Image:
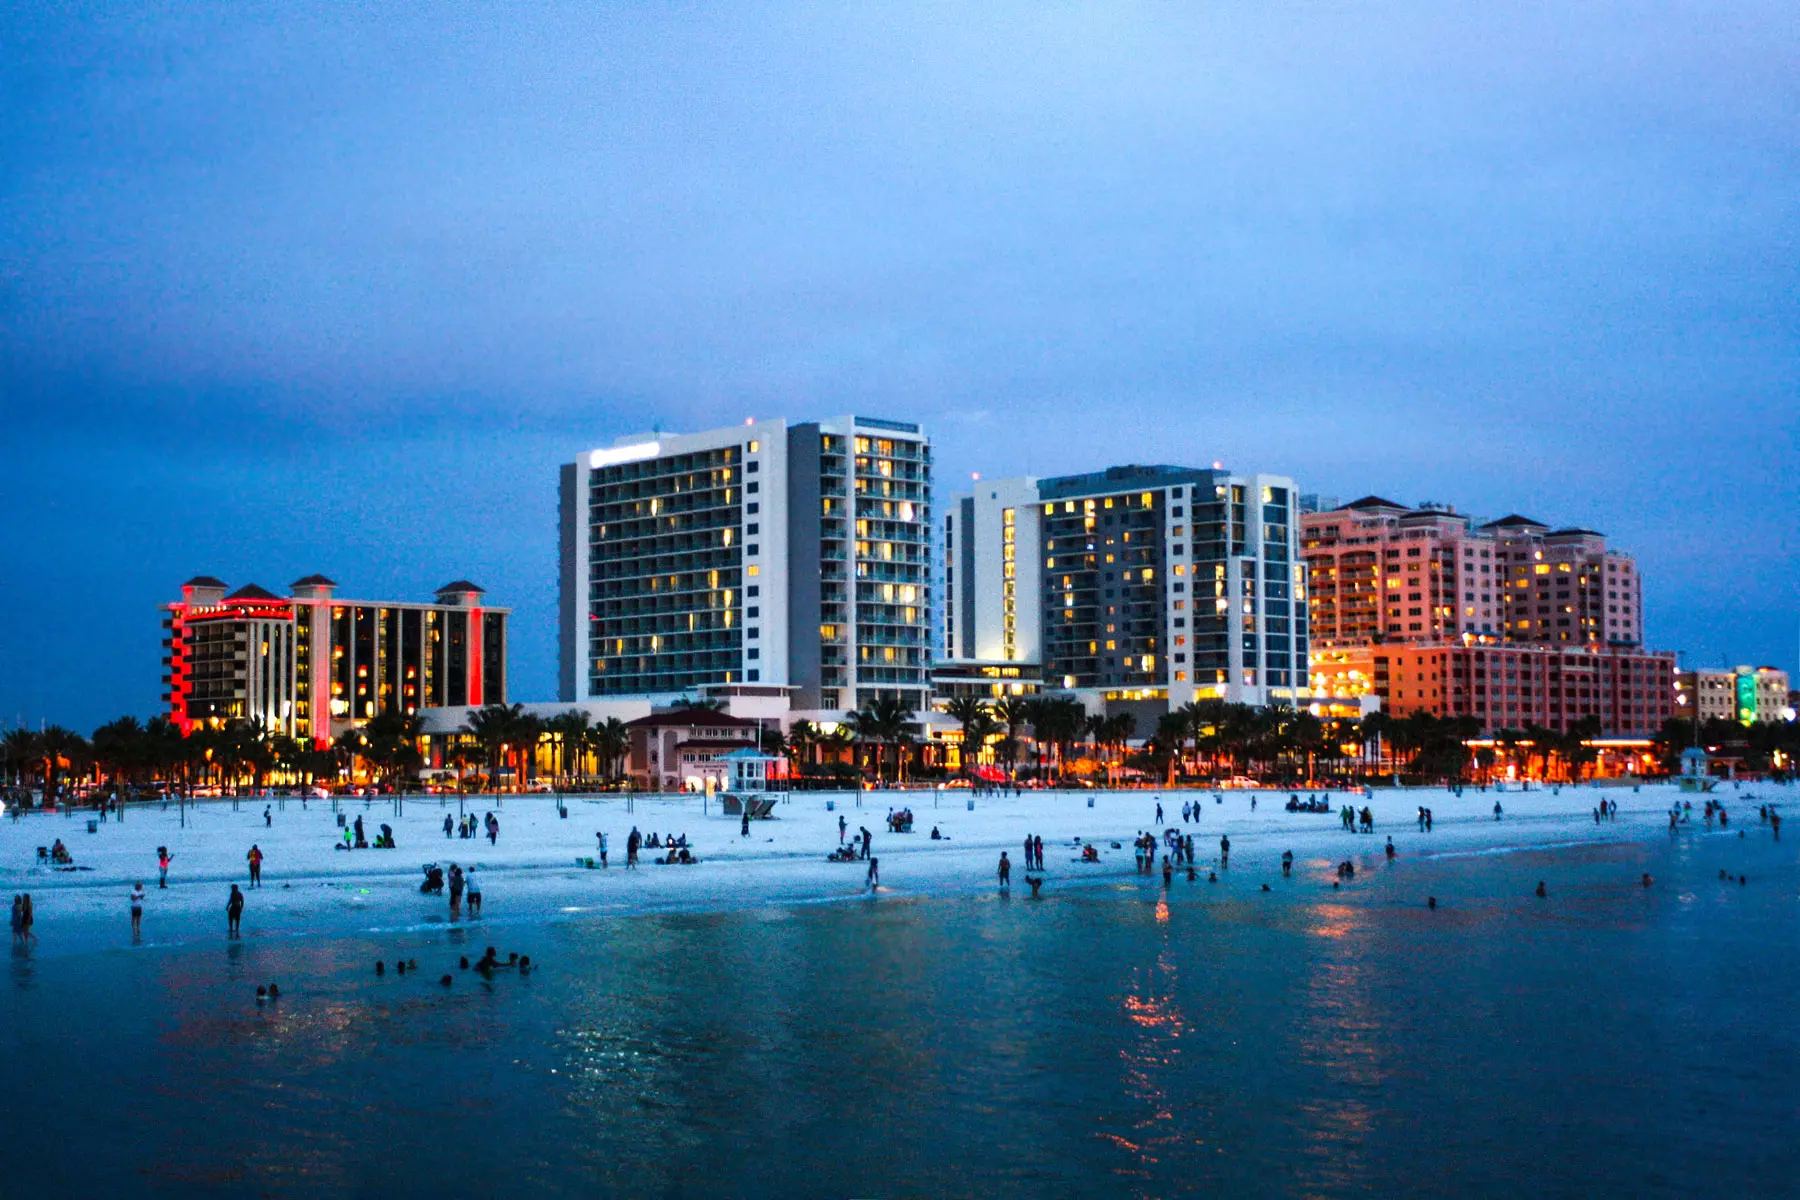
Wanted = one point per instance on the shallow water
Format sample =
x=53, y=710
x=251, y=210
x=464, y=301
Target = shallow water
x=1111, y=1040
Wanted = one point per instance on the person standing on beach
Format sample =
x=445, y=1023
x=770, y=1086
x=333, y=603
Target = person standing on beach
x=234, y=911
x=28, y=918
x=162, y=865
x=1037, y=844
x=472, y=882
x=868, y=840
x=632, y=843
x=1005, y=872
x=268, y=818
x=255, y=858
x=137, y=909
x=456, y=891
x=448, y=825
x=1159, y=819
x=745, y=831
x=874, y=876
x=1496, y=810
x=1224, y=853
x=493, y=829
x=601, y=838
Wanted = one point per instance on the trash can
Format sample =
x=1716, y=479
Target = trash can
x=971, y=804
x=93, y=827
x=340, y=817
x=1090, y=802
x=831, y=806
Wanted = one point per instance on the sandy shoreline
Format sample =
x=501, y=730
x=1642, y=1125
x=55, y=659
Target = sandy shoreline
x=530, y=874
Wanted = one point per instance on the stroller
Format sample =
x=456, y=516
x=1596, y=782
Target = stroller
x=434, y=879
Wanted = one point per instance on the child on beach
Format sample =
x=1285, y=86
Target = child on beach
x=234, y=911
x=137, y=908
x=162, y=865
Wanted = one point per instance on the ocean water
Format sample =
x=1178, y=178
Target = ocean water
x=1108, y=1040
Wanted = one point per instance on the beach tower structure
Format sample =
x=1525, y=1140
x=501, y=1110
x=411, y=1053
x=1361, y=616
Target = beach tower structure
x=1695, y=771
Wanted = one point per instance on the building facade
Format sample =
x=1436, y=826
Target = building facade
x=1565, y=586
x=1383, y=572
x=1746, y=695
x=792, y=555
x=1136, y=585
x=310, y=665
x=1508, y=686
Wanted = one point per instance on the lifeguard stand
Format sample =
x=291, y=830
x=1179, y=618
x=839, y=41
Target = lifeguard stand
x=1696, y=774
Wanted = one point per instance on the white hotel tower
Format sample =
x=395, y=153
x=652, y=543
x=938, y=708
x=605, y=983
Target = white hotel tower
x=768, y=555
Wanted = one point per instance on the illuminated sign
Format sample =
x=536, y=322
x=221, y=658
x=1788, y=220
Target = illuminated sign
x=1746, y=699
x=624, y=454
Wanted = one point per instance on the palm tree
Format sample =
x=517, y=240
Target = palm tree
x=1060, y=720
x=966, y=711
x=60, y=747
x=883, y=720
x=1013, y=712
x=610, y=743
x=118, y=748
x=802, y=741
x=569, y=731
x=23, y=754
x=976, y=735
x=390, y=741
x=491, y=727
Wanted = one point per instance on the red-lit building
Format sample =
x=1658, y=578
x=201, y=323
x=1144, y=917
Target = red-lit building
x=309, y=665
x=1507, y=685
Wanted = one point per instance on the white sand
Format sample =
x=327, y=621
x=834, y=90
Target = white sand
x=531, y=873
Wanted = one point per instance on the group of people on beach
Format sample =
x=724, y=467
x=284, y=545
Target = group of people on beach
x=467, y=827
x=1352, y=818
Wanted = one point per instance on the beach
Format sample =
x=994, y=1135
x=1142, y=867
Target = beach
x=536, y=869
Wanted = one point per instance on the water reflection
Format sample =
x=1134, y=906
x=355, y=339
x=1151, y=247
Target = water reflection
x=1151, y=1057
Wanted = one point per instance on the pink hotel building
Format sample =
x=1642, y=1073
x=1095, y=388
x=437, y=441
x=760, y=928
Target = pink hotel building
x=1513, y=622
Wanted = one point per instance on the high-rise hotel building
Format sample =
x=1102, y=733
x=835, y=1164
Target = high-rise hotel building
x=1136, y=584
x=1510, y=622
x=770, y=555
x=1383, y=572
x=310, y=665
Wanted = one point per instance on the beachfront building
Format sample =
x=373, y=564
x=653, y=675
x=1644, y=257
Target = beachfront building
x=788, y=557
x=683, y=749
x=1382, y=571
x=1137, y=588
x=1385, y=572
x=1507, y=686
x=1746, y=695
x=311, y=665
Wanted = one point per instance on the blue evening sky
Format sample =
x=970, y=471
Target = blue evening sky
x=335, y=288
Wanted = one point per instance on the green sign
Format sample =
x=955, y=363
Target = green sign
x=1746, y=699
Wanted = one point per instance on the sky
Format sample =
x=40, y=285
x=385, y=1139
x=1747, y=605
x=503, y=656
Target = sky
x=335, y=288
